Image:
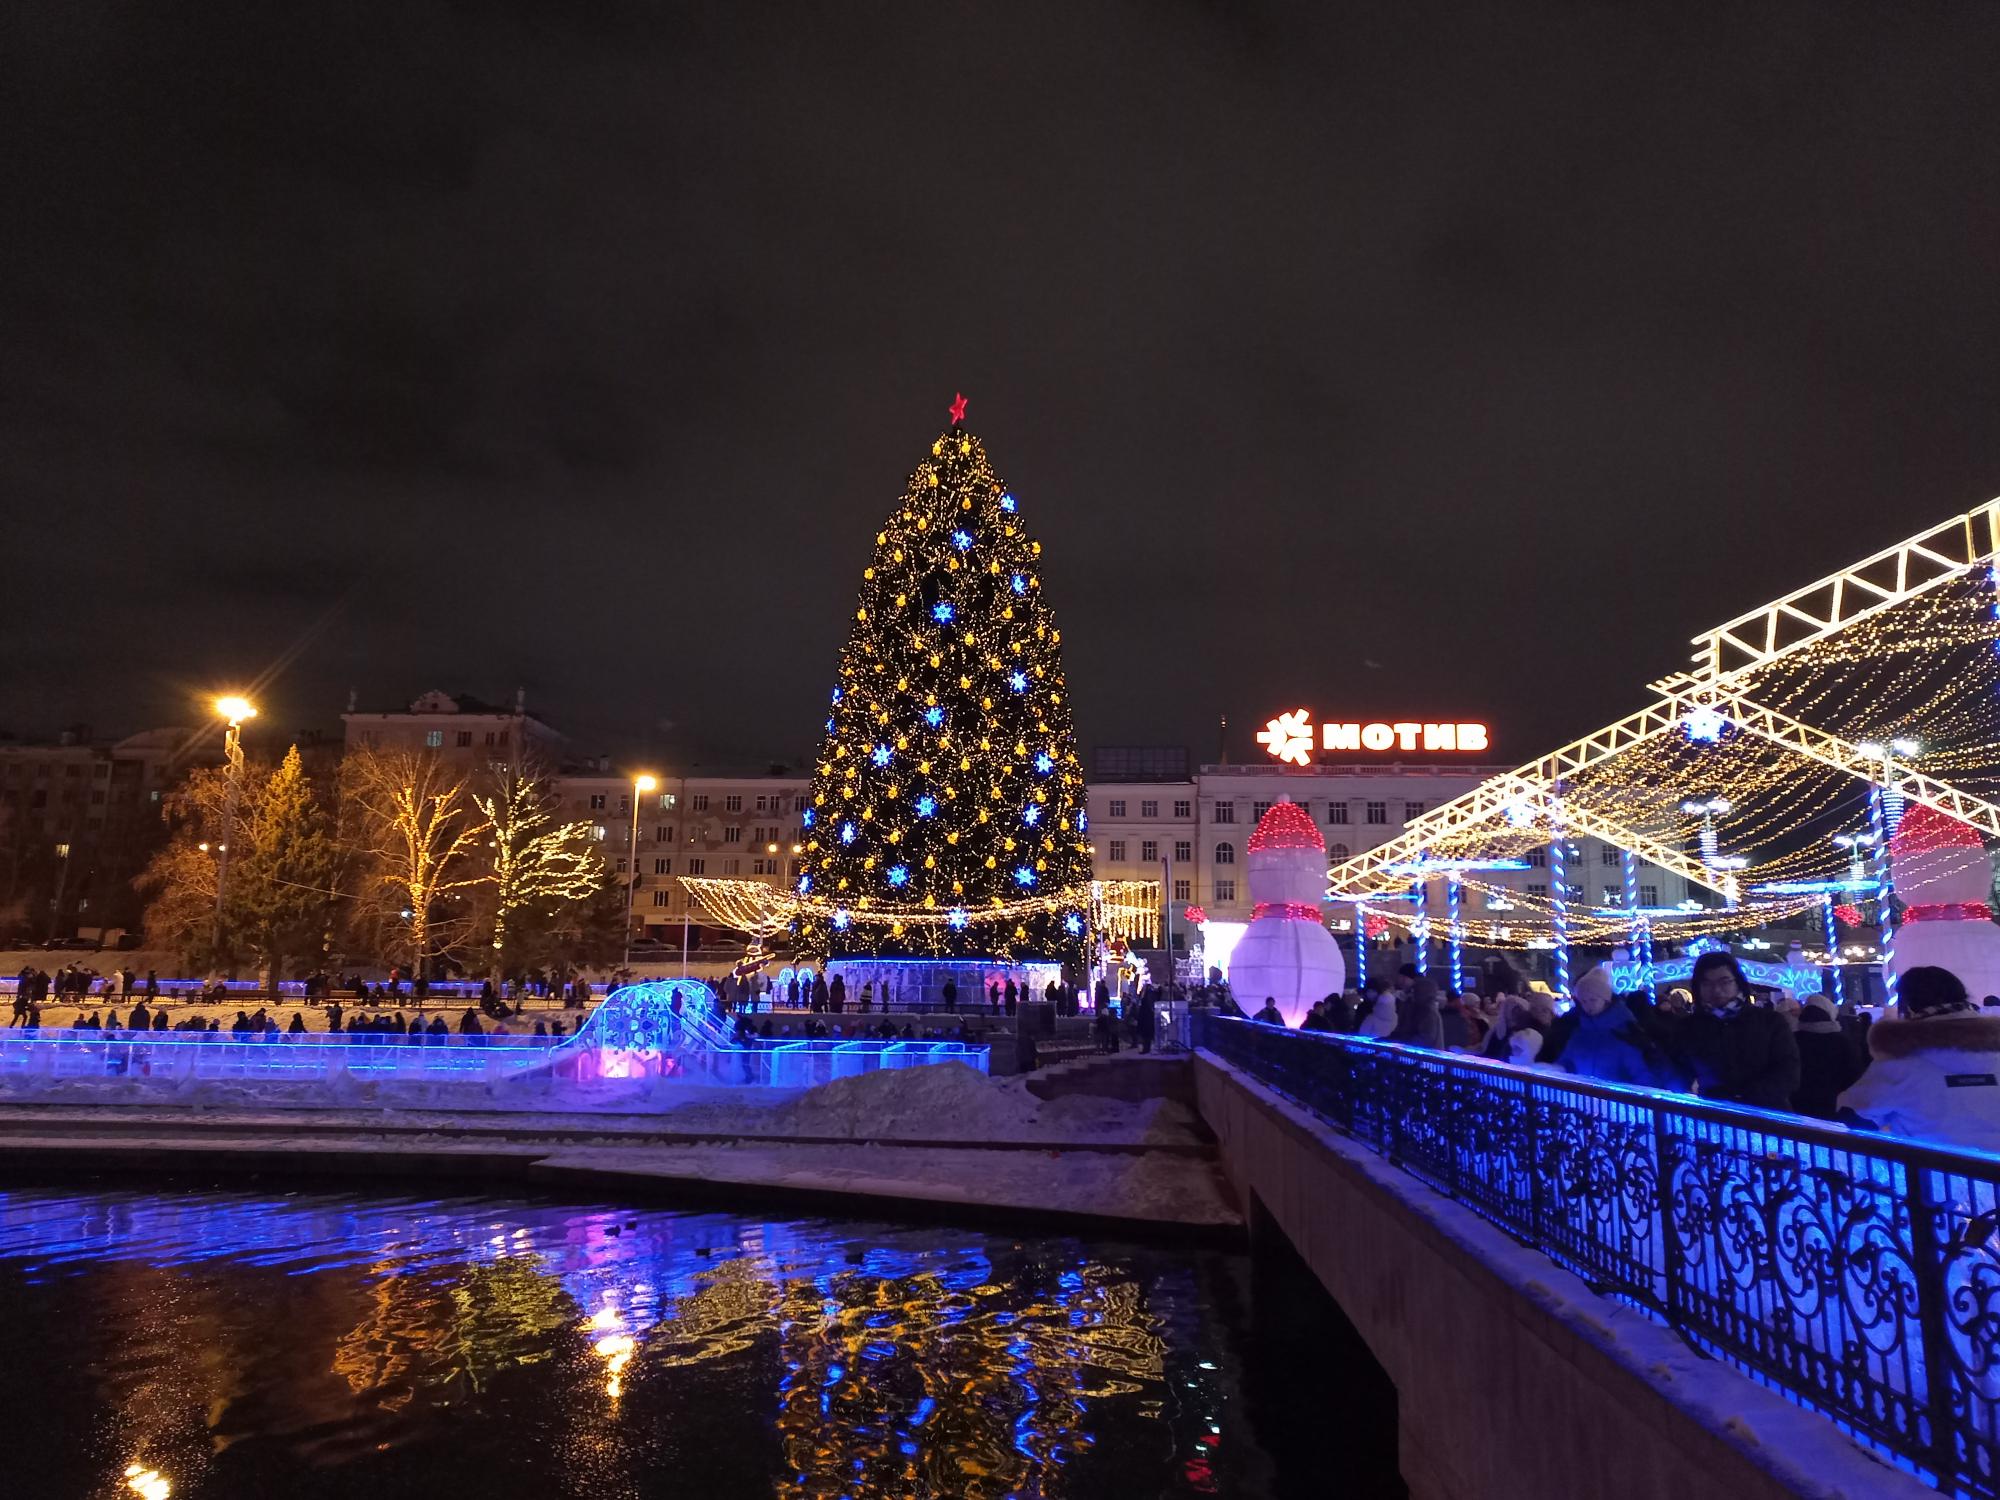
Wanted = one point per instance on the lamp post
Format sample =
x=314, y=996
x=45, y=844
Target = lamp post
x=1706, y=809
x=234, y=710
x=641, y=784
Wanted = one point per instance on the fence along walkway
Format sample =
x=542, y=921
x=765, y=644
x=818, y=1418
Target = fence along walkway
x=662, y=1028
x=1857, y=1274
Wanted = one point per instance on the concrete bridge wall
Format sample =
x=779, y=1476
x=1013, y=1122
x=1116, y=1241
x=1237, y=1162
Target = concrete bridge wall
x=1512, y=1377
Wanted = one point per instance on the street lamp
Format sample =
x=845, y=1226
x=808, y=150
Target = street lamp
x=641, y=784
x=1707, y=808
x=234, y=710
x=1893, y=801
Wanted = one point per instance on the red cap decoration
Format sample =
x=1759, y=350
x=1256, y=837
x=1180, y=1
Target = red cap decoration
x=1925, y=830
x=1286, y=826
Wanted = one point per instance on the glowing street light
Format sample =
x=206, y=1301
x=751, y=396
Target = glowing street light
x=1707, y=809
x=233, y=709
x=641, y=784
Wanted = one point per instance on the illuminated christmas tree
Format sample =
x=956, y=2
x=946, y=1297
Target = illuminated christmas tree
x=947, y=814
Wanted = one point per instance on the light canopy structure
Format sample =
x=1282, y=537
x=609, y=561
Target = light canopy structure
x=1739, y=773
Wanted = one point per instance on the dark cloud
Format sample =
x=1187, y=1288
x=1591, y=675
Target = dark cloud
x=582, y=348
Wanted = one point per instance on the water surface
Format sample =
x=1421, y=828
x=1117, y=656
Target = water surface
x=197, y=1343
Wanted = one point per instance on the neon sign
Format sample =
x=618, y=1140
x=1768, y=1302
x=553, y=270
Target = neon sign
x=1291, y=737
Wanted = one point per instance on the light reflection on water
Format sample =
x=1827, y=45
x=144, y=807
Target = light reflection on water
x=189, y=1344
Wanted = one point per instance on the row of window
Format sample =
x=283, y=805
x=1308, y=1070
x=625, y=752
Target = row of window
x=697, y=865
x=1150, y=808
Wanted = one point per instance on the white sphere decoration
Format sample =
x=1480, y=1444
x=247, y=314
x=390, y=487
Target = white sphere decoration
x=1286, y=953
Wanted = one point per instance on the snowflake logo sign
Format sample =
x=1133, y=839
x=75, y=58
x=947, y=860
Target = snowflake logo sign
x=1289, y=737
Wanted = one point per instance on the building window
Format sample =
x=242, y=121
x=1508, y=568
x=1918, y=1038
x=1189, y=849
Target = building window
x=1257, y=811
x=733, y=802
x=1149, y=850
x=1117, y=807
x=625, y=802
x=1649, y=895
x=97, y=796
x=597, y=801
x=663, y=867
x=463, y=739
x=1612, y=895
x=1412, y=811
x=732, y=867
x=757, y=867
x=1225, y=890
x=1337, y=852
x=621, y=865
x=763, y=804
x=794, y=870
x=1225, y=854
x=1607, y=856
x=661, y=898
x=1538, y=859
x=1183, y=851
x=697, y=866
x=1183, y=809
x=434, y=739
x=667, y=801
x=1118, y=851
x=733, y=834
x=1378, y=812
x=1538, y=889
x=1149, y=809
x=1225, y=812
x=598, y=831
x=664, y=834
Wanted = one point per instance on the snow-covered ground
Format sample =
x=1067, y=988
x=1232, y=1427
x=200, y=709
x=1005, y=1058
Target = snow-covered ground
x=937, y=1102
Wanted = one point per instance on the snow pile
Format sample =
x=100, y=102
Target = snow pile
x=939, y=1102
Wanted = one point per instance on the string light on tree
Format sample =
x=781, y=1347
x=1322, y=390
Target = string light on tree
x=950, y=757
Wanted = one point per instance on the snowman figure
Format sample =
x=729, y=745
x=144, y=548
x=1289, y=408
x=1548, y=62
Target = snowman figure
x=1944, y=878
x=1286, y=952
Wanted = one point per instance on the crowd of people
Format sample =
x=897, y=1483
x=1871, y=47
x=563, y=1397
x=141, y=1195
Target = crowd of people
x=1931, y=1068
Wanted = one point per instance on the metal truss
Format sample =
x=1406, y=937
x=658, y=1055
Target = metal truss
x=1830, y=750
x=1818, y=610
x=1724, y=656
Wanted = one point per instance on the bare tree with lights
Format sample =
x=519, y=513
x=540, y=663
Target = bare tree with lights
x=414, y=823
x=536, y=865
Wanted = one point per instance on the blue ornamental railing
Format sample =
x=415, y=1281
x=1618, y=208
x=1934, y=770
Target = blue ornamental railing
x=1858, y=1274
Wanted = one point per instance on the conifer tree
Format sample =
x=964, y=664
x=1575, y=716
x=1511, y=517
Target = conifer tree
x=947, y=811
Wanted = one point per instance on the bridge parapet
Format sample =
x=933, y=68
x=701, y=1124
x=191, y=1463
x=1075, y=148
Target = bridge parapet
x=1857, y=1275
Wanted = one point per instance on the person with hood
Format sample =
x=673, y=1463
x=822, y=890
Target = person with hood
x=1738, y=1052
x=1829, y=1061
x=1521, y=1028
x=1378, y=1012
x=1936, y=1068
x=1420, y=1025
x=1608, y=1041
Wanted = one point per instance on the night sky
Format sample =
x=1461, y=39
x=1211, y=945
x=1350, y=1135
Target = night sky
x=1446, y=359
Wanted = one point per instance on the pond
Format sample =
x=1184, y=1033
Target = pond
x=198, y=1342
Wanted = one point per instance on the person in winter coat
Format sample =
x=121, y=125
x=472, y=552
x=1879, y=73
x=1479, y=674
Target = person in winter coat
x=1518, y=1034
x=1608, y=1041
x=1936, y=1069
x=1378, y=1013
x=1739, y=1053
x=1420, y=1025
x=1270, y=1014
x=1829, y=1061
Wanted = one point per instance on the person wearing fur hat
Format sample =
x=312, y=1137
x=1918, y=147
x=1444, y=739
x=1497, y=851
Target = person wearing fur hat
x=1606, y=1040
x=1936, y=1069
x=1739, y=1053
x=1829, y=1061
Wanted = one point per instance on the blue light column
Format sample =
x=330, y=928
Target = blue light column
x=1878, y=820
x=1361, y=947
x=1454, y=897
x=1559, y=897
x=1833, y=948
x=1641, y=925
x=1420, y=924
